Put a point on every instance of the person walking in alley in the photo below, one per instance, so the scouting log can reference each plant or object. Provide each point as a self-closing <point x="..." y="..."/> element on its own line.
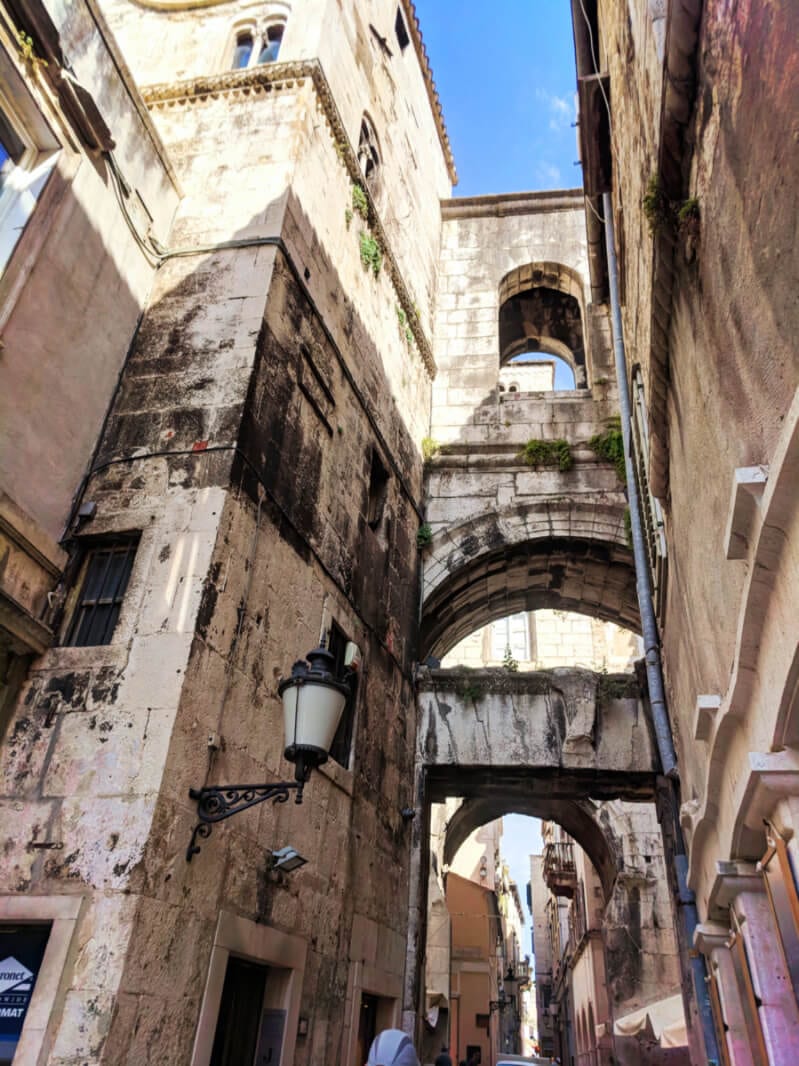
<point x="443" y="1059"/>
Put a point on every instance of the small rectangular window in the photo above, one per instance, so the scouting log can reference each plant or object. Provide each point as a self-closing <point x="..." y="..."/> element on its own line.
<point x="403" y="40"/>
<point x="106" y="572"/>
<point x="342" y="742"/>
<point x="378" y="491"/>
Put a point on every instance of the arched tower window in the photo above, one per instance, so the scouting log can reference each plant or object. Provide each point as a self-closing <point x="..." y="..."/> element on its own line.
<point x="254" y="44"/>
<point x="271" y="43"/>
<point x="369" y="155"/>
<point x="541" y="319"/>
<point x="242" y="51"/>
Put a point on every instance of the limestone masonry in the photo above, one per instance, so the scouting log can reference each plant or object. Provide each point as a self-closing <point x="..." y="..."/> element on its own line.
<point x="264" y="382"/>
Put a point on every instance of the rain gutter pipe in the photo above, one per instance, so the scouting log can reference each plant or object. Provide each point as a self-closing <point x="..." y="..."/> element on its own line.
<point x="654" y="672"/>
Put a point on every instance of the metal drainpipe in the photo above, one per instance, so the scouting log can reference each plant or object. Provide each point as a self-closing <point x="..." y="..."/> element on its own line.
<point x="654" y="674"/>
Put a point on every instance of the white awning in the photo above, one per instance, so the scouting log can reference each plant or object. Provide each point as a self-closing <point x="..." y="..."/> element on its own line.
<point x="664" y="1018"/>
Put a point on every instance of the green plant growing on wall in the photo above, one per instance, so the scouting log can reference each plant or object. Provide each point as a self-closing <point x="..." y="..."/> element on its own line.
<point x="548" y="453"/>
<point x="508" y="661"/>
<point x="424" y="535"/>
<point x="430" y="448"/>
<point x="405" y="329"/>
<point x="471" y="691"/>
<point x="359" y="202"/>
<point x="658" y="210"/>
<point x="26" y="49"/>
<point x="348" y="216"/>
<point x="609" y="445"/>
<point x="371" y="256"/>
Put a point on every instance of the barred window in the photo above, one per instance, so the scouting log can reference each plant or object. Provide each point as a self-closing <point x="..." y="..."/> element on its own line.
<point x="651" y="511"/>
<point x="106" y="572"/>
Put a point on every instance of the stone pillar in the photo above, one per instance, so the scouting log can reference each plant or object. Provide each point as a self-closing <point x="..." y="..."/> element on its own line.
<point x="417" y="902"/>
<point x="712" y="939"/>
<point x="779" y="1014"/>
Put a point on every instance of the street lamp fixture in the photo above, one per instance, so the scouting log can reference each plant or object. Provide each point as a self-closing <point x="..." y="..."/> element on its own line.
<point x="313" y="701"/>
<point x="507" y="994"/>
<point x="287" y="859"/>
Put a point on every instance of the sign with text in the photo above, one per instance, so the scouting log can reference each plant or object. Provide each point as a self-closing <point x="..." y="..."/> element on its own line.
<point x="21" y="953"/>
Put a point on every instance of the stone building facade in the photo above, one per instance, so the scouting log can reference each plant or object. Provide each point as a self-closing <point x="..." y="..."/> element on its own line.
<point x="249" y="362"/>
<point x="239" y="308"/>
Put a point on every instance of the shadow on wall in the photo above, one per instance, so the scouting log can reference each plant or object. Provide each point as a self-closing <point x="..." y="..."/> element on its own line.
<point x="248" y="394"/>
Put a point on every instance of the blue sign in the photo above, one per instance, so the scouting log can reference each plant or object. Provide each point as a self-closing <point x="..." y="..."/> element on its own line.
<point x="21" y="953"/>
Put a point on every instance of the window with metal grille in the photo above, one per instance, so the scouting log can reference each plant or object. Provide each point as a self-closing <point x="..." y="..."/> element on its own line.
<point x="342" y="741"/>
<point x="106" y="573"/>
<point x="651" y="511"/>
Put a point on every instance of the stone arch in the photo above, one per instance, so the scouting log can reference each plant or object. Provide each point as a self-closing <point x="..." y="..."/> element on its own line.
<point x="591" y="576"/>
<point x="541" y="308"/>
<point x="575" y="816"/>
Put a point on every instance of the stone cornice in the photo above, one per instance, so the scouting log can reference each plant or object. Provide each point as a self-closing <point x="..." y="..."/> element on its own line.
<point x="409" y="9"/>
<point x="525" y="203"/>
<point x="274" y="77"/>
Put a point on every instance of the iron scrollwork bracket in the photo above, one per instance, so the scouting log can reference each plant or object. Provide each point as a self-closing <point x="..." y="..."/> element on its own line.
<point x="215" y="803"/>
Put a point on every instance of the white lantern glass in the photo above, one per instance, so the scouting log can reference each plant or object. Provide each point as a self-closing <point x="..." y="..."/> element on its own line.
<point x="311" y="714"/>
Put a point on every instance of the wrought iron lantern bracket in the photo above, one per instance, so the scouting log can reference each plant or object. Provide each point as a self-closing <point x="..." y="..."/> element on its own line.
<point x="215" y="803"/>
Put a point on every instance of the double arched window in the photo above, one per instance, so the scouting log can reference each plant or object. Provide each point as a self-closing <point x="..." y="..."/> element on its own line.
<point x="369" y="156"/>
<point x="252" y="47"/>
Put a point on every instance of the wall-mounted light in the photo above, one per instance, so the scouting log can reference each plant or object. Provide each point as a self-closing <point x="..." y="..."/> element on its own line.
<point x="313" y="701"/>
<point x="287" y="859"/>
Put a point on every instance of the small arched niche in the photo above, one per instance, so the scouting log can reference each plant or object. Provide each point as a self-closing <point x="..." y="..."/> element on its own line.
<point x="541" y="314"/>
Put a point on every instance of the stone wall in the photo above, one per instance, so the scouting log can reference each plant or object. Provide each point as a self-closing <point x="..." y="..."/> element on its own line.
<point x="547" y="720"/>
<point x="720" y="374"/>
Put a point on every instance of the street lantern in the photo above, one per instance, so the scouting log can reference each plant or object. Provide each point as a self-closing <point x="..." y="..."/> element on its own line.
<point x="511" y="984"/>
<point x="313" y="701"/>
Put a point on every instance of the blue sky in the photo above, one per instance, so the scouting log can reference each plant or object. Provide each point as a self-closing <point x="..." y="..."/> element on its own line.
<point x="506" y="78"/>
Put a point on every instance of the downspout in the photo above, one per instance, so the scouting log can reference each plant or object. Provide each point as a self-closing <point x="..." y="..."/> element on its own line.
<point x="654" y="673"/>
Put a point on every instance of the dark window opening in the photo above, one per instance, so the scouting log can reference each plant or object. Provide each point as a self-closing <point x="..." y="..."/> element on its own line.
<point x="369" y="155"/>
<point x="367" y="1025"/>
<point x="378" y="491"/>
<point x="474" y="1053"/>
<point x="106" y="574"/>
<point x="400" y="29"/>
<point x="271" y="46"/>
<point x="240" y="1010"/>
<point x="481" y="1021"/>
<point x="342" y="741"/>
<point x="21" y="954"/>
<point x="242" y="51"/>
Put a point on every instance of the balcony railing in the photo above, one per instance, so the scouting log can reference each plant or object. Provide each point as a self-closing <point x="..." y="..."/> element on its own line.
<point x="560" y="873"/>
